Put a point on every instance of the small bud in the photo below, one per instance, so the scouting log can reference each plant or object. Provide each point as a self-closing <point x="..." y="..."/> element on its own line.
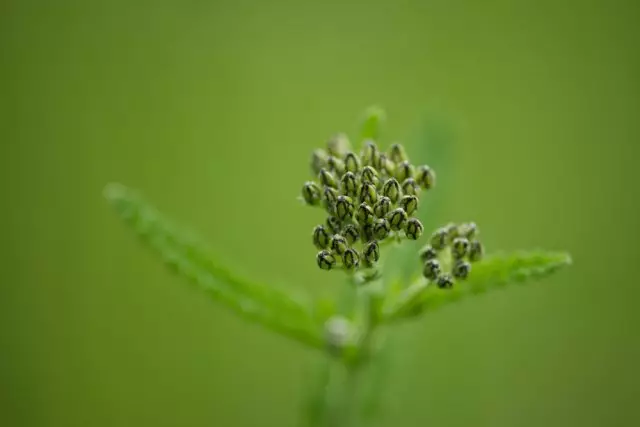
<point x="351" y="233"/>
<point x="364" y="214"/>
<point x="409" y="204"/>
<point x="427" y="253"/>
<point x="349" y="184"/>
<point x="410" y="187"/>
<point x="381" y="229"/>
<point x="368" y="194"/>
<point x="397" y="218"/>
<point x="337" y="332"/>
<point x="351" y="259"/>
<point x="460" y="247"/>
<point x="311" y="193"/>
<point x="461" y="269"/>
<point x="367" y="233"/>
<point x="330" y="197"/>
<point x="318" y="160"/>
<point x="431" y="269"/>
<point x="397" y="153"/>
<point x="326" y="260"/>
<point x="445" y="281"/>
<point x="334" y="224"/>
<point x="404" y="170"/>
<point x="382" y="207"/>
<point x="439" y="239"/>
<point x="413" y="229"/>
<point x="476" y="251"/>
<point x="339" y="244"/>
<point x="425" y="177"/>
<point x="326" y="178"/>
<point x="321" y="237"/>
<point x="338" y="145"/>
<point x="371" y="253"/>
<point x="391" y="189"/>
<point x="335" y="165"/>
<point x="452" y="231"/>
<point x="384" y="165"/>
<point x="344" y="208"/>
<point x="369" y="153"/>
<point x="370" y="176"/>
<point x="469" y="230"/>
<point x="351" y="163"/>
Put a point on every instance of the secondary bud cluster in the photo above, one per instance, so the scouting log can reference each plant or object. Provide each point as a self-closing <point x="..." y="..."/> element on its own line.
<point x="453" y="246"/>
<point x="368" y="196"/>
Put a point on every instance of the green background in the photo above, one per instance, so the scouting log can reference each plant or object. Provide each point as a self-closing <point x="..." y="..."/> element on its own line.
<point x="212" y="108"/>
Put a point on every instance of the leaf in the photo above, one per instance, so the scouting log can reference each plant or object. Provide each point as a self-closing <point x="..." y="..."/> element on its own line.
<point x="371" y="123"/>
<point x="493" y="272"/>
<point x="189" y="257"/>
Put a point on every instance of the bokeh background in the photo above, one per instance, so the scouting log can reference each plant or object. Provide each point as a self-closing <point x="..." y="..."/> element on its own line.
<point x="211" y="109"/>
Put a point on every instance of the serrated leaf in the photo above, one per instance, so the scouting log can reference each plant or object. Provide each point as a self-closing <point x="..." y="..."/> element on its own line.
<point x="186" y="255"/>
<point x="493" y="272"/>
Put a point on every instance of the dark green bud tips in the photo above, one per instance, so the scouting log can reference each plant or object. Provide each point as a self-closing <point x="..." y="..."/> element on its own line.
<point x="318" y="160"/>
<point x="381" y="229"/>
<point x="476" y="251"/>
<point x="382" y="207"/>
<point x="311" y="193"/>
<point x="445" y="281"/>
<point x="321" y="237"/>
<point x="397" y="218"/>
<point x="344" y="208"/>
<point x="350" y="259"/>
<point x="369" y="153"/>
<point x="452" y="231"/>
<point x="409" y="204"/>
<point x="431" y="269"/>
<point x="334" y="224"/>
<point x="351" y="163"/>
<point x="327" y="179"/>
<point x="368" y="194"/>
<point x="410" y="187"/>
<point x="339" y="244"/>
<point x="468" y="230"/>
<point x="413" y="229"/>
<point x="370" y="176"/>
<point x="460" y="247"/>
<point x="367" y="233"/>
<point x="349" y="184"/>
<point x="461" y="269"/>
<point x="335" y="165"/>
<point x="439" y="239"/>
<point x="326" y="260"/>
<point x="397" y="153"/>
<point x="338" y="145"/>
<point x="364" y="214"/>
<point x="404" y="170"/>
<point x="391" y="189"/>
<point x="330" y="197"/>
<point x="427" y="253"/>
<point x="384" y="165"/>
<point x="371" y="253"/>
<point x="351" y="233"/>
<point x="425" y="177"/>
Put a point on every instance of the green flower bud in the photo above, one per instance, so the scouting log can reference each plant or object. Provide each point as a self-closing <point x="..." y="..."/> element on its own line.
<point x="336" y="165"/>
<point x="334" y="224"/>
<point x="311" y="193"/>
<point x="368" y="194"/>
<point x="425" y="177"/>
<point x="413" y="229"/>
<point x="439" y="239"/>
<point x="445" y="281"/>
<point x="351" y="163"/>
<point x="321" y="237"/>
<point x="404" y="170"/>
<point x="427" y="253"/>
<point x="351" y="233"/>
<point x="326" y="178"/>
<point x="391" y="189"/>
<point x="410" y="187"/>
<point x="384" y="165"/>
<point x="367" y="233"/>
<point x="476" y="251"/>
<point x="461" y="269"/>
<point x="344" y="208"/>
<point x="397" y="153"/>
<point x="371" y="253"/>
<point x="349" y="184"/>
<point x="469" y="230"/>
<point x="365" y="214"/>
<point x="351" y="259"/>
<point x="381" y="229"/>
<point x="409" y="204"/>
<point x="460" y="247"/>
<point x="369" y="153"/>
<point x="326" y="260"/>
<point x="338" y="145"/>
<point x="382" y="207"/>
<point x="431" y="269"/>
<point x="318" y="160"/>
<point x="397" y="218"/>
<point x="452" y="231"/>
<point x="370" y="176"/>
<point x="330" y="197"/>
<point x="339" y="244"/>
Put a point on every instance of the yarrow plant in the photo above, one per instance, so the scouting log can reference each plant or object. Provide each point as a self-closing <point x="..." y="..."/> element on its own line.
<point x="373" y="202"/>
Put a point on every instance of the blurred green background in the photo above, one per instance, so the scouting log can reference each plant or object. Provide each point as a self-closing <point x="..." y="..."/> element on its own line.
<point x="211" y="109"/>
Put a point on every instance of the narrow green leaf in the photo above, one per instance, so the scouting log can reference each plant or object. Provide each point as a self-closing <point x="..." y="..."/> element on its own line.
<point x="493" y="272"/>
<point x="188" y="256"/>
<point x="371" y="123"/>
